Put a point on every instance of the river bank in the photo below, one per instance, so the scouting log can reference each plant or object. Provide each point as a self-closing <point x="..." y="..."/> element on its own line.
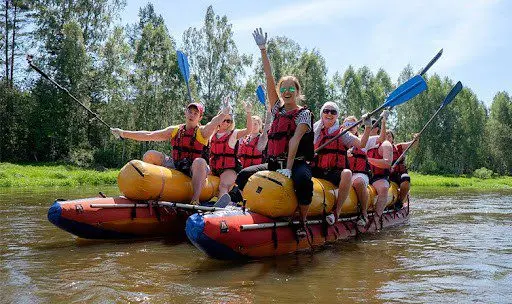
<point x="62" y="175"/>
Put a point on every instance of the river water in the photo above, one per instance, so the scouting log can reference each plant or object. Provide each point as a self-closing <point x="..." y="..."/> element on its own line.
<point x="456" y="247"/>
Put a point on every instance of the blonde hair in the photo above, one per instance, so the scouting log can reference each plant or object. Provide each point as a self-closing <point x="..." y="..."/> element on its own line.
<point x="300" y="97"/>
<point x="260" y="123"/>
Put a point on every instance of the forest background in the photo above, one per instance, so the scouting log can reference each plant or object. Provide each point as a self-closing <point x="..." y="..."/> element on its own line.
<point x="130" y="77"/>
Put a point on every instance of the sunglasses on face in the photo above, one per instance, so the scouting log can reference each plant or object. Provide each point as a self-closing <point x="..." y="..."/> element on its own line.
<point x="227" y="120"/>
<point x="327" y="111"/>
<point x="290" y="89"/>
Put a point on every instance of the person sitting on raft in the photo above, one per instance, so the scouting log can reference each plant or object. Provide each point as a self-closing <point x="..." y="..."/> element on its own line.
<point x="290" y="139"/>
<point x="224" y="162"/>
<point x="380" y="157"/>
<point x="188" y="141"/>
<point x="399" y="174"/>
<point x="359" y="166"/>
<point x="331" y="161"/>
<point x="252" y="146"/>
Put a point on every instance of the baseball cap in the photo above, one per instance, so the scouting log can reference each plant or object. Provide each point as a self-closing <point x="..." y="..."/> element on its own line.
<point x="198" y="106"/>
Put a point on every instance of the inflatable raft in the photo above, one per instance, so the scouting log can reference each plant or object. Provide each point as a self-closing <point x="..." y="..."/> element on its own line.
<point x="238" y="234"/>
<point x="121" y="218"/>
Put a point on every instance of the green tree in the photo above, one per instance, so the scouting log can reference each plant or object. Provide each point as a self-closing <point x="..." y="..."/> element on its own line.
<point x="215" y="60"/>
<point x="499" y="128"/>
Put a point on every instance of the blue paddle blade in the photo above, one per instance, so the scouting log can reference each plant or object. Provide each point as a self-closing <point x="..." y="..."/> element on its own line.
<point x="451" y="96"/>
<point x="406" y="91"/>
<point x="183" y="65"/>
<point x="261" y="94"/>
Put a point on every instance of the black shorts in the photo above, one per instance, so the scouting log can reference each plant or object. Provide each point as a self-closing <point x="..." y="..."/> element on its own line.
<point x="398" y="178"/>
<point x="333" y="176"/>
<point x="218" y="172"/>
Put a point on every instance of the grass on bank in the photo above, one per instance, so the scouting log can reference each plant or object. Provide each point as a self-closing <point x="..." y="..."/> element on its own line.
<point x="59" y="175"/>
<point x="53" y="175"/>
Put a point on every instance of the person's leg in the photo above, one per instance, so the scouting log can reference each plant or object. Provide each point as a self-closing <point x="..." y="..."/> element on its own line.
<point x="241" y="180"/>
<point x="382" y="187"/>
<point x="404" y="187"/>
<point x="360" y="184"/>
<point x="343" y="190"/>
<point x="199" y="170"/>
<point x="154" y="157"/>
<point x="303" y="186"/>
<point x="227" y="179"/>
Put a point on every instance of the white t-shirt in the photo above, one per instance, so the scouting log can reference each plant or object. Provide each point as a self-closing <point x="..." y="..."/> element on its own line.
<point x="371" y="143"/>
<point x="347" y="139"/>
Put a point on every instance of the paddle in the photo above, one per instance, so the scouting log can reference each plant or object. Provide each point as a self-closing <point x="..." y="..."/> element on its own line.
<point x="449" y="98"/>
<point x="184" y="69"/>
<point x="403" y="93"/>
<point x="261" y="94"/>
<point x="29" y="60"/>
<point x="423" y="71"/>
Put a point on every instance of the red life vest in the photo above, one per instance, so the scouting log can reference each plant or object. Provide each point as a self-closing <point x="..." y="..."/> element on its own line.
<point x="185" y="145"/>
<point x="282" y="129"/>
<point x="334" y="155"/>
<point x="400" y="167"/>
<point x="358" y="163"/>
<point x="222" y="156"/>
<point x="248" y="153"/>
<point x="377" y="172"/>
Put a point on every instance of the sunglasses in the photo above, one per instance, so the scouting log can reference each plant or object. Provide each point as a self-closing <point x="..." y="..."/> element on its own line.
<point x="327" y="111"/>
<point x="227" y="120"/>
<point x="348" y="124"/>
<point x="290" y="89"/>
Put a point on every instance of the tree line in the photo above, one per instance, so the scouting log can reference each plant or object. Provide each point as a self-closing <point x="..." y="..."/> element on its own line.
<point x="130" y="77"/>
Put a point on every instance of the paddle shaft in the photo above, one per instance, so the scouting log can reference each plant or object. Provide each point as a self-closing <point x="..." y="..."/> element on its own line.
<point x="402" y="156"/>
<point x="67" y="92"/>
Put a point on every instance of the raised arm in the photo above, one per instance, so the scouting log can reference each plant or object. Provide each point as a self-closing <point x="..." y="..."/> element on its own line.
<point x="414" y="142"/>
<point x="248" y="121"/>
<point x="159" y="135"/>
<point x="261" y="41"/>
<point x="382" y="135"/>
<point x="208" y="129"/>
<point x="262" y="142"/>
<point x="361" y="142"/>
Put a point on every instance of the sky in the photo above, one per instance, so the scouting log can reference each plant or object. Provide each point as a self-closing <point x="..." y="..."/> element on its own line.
<point x="475" y="35"/>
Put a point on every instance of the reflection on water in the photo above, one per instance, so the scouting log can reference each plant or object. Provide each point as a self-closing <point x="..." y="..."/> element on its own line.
<point x="457" y="247"/>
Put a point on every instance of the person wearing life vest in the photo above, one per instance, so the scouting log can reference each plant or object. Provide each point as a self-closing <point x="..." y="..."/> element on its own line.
<point x="358" y="164"/>
<point x="189" y="142"/>
<point x="331" y="162"/>
<point x="399" y="174"/>
<point x="290" y="139"/>
<point x="380" y="157"/>
<point x="252" y="146"/>
<point x="224" y="161"/>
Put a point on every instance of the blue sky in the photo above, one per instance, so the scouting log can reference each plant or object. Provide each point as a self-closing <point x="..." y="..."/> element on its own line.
<point x="476" y="35"/>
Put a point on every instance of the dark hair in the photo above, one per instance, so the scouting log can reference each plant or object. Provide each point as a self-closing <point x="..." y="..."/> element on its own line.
<point x="375" y="121"/>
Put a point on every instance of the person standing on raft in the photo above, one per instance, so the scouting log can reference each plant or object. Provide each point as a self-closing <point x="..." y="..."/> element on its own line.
<point x="224" y="162"/>
<point x="331" y="162"/>
<point x="399" y="174"/>
<point x="189" y="142"/>
<point x="290" y="139"/>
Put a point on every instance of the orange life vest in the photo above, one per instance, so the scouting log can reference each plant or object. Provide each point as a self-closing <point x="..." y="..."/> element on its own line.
<point x="282" y="129"/>
<point x="185" y="145"/>
<point x="377" y="172"/>
<point x="400" y="167"/>
<point x="358" y="163"/>
<point x="248" y="153"/>
<point x="334" y="155"/>
<point x="222" y="156"/>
